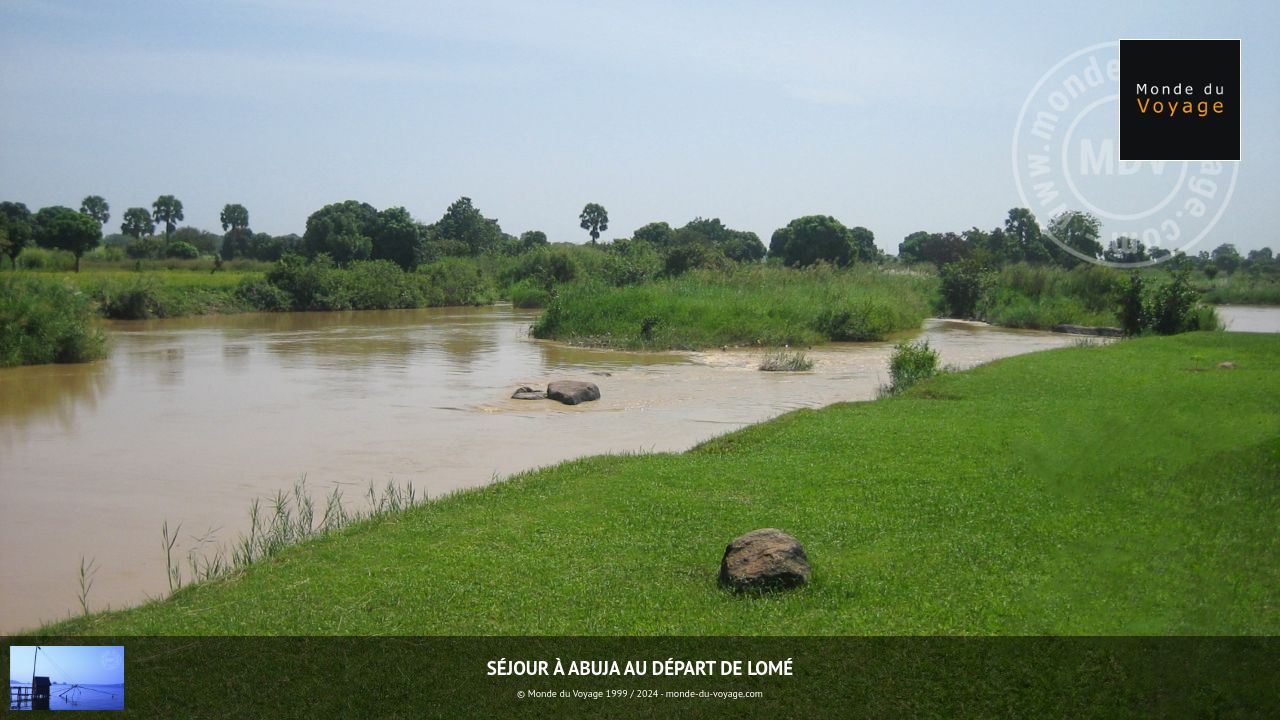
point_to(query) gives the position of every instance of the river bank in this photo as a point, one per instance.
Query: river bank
(977, 503)
(171, 426)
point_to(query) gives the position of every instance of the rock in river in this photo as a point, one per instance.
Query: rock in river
(528, 393)
(766, 559)
(572, 392)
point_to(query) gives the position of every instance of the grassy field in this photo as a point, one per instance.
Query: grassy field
(761, 306)
(1126, 489)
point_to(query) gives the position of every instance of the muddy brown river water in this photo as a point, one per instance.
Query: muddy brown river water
(189, 420)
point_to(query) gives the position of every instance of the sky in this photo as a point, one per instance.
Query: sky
(895, 116)
(77, 664)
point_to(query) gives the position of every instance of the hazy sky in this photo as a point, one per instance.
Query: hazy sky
(895, 116)
(82, 664)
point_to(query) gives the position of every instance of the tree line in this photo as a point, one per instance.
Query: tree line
(352, 230)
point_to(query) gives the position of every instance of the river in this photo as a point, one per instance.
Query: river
(188, 420)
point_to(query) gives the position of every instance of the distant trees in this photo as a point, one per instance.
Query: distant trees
(138, 223)
(464, 225)
(1227, 258)
(16, 231)
(167, 209)
(341, 231)
(1078, 231)
(657, 234)
(531, 239)
(395, 236)
(65, 229)
(235, 223)
(97, 208)
(594, 219)
(812, 238)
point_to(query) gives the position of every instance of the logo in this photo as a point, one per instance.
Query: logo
(1066, 158)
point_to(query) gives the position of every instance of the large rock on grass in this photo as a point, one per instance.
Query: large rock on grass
(572, 392)
(766, 559)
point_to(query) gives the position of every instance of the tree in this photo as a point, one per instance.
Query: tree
(464, 223)
(341, 231)
(167, 209)
(96, 207)
(864, 244)
(65, 229)
(738, 245)
(1078, 231)
(594, 219)
(137, 223)
(530, 239)
(235, 223)
(937, 248)
(1227, 258)
(809, 239)
(1023, 239)
(16, 231)
(1125, 249)
(396, 237)
(657, 234)
(1261, 255)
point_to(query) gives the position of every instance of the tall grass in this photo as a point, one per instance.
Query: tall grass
(786, 361)
(749, 305)
(1043, 296)
(282, 521)
(44, 320)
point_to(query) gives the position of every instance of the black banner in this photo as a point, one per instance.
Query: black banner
(695, 677)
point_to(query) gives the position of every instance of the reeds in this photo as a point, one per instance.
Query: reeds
(786, 361)
(286, 519)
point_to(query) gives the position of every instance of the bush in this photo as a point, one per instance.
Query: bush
(963, 284)
(46, 321)
(529, 294)
(911, 363)
(38, 258)
(1133, 315)
(456, 281)
(381, 285)
(135, 298)
(179, 249)
(867, 320)
(1173, 307)
(256, 293)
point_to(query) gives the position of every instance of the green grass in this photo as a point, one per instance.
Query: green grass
(162, 293)
(1125, 489)
(750, 305)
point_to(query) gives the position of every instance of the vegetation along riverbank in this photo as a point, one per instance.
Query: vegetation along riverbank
(697, 285)
(1135, 497)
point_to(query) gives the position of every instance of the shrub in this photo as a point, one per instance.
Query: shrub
(529, 294)
(456, 281)
(255, 293)
(179, 249)
(38, 258)
(911, 363)
(135, 298)
(963, 284)
(1133, 316)
(867, 320)
(46, 321)
(1172, 308)
(381, 284)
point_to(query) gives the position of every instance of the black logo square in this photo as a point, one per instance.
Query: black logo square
(1179, 100)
